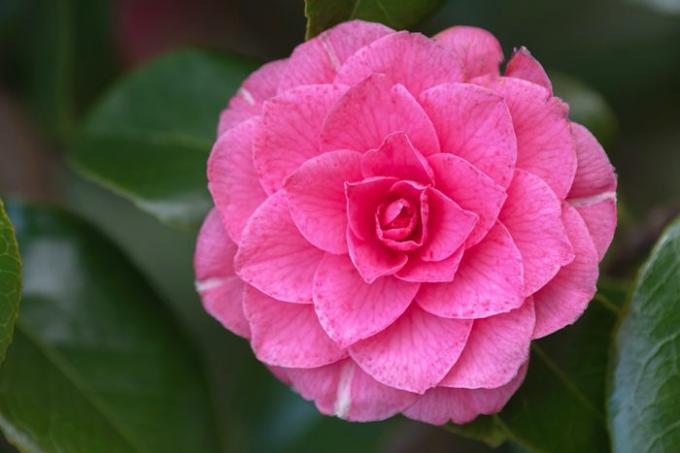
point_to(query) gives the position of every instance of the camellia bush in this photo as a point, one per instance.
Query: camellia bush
(383, 241)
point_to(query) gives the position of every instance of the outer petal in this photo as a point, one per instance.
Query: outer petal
(407, 58)
(274, 257)
(317, 60)
(544, 143)
(398, 158)
(415, 352)
(477, 49)
(220, 289)
(471, 189)
(257, 88)
(287, 335)
(599, 213)
(489, 281)
(417, 270)
(441, 405)
(316, 197)
(497, 348)
(344, 390)
(475, 124)
(533, 216)
(375, 108)
(350, 309)
(564, 299)
(523, 65)
(289, 134)
(594, 174)
(232, 180)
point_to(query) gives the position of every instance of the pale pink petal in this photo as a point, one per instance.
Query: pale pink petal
(475, 124)
(346, 391)
(477, 49)
(398, 158)
(533, 216)
(544, 143)
(496, 349)
(316, 198)
(289, 133)
(524, 66)
(448, 226)
(415, 352)
(599, 213)
(564, 299)
(257, 88)
(594, 173)
(287, 335)
(350, 309)
(441, 405)
(417, 270)
(489, 281)
(220, 289)
(363, 199)
(373, 259)
(273, 255)
(318, 60)
(232, 180)
(370, 111)
(410, 59)
(471, 189)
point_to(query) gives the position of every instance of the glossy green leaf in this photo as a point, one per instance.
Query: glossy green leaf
(10, 281)
(560, 405)
(97, 364)
(323, 14)
(644, 399)
(150, 138)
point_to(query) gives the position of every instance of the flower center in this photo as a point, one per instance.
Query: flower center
(397, 220)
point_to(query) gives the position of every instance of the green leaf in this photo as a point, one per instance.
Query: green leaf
(97, 363)
(560, 405)
(644, 398)
(150, 138)
(10, 281)
(323, 14)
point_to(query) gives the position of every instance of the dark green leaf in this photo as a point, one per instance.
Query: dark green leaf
(644, 399)
(10, 281)
(150, 138)
(97, 363)
(323, 14)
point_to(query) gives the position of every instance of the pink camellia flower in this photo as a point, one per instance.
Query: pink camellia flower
(395, 221)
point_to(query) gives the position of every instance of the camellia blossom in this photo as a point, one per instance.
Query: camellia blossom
(396, 221)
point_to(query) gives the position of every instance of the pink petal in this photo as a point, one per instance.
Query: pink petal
(594, 173)
(344, 390)
(474, 123)
(496, 349)
(257, 88)
(274, 257)
(375, 108)
(410, 59)
(363, 199)
(533, 216)
(317, 60)
(524, 66)
(417, 270)
(564, 299)
(488, 282)
(448, 228)
(316, 198)
(398, 158)
(220, 289)
(471, 189)
(441, 405)
(415, 352)
(232, 180)
(599, 213)
(287, 335)
(289, 134)
(477, 49)
(372, 259)
(350, 309)
(544, 143)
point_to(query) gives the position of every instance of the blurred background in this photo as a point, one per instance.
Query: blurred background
(616, 61)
